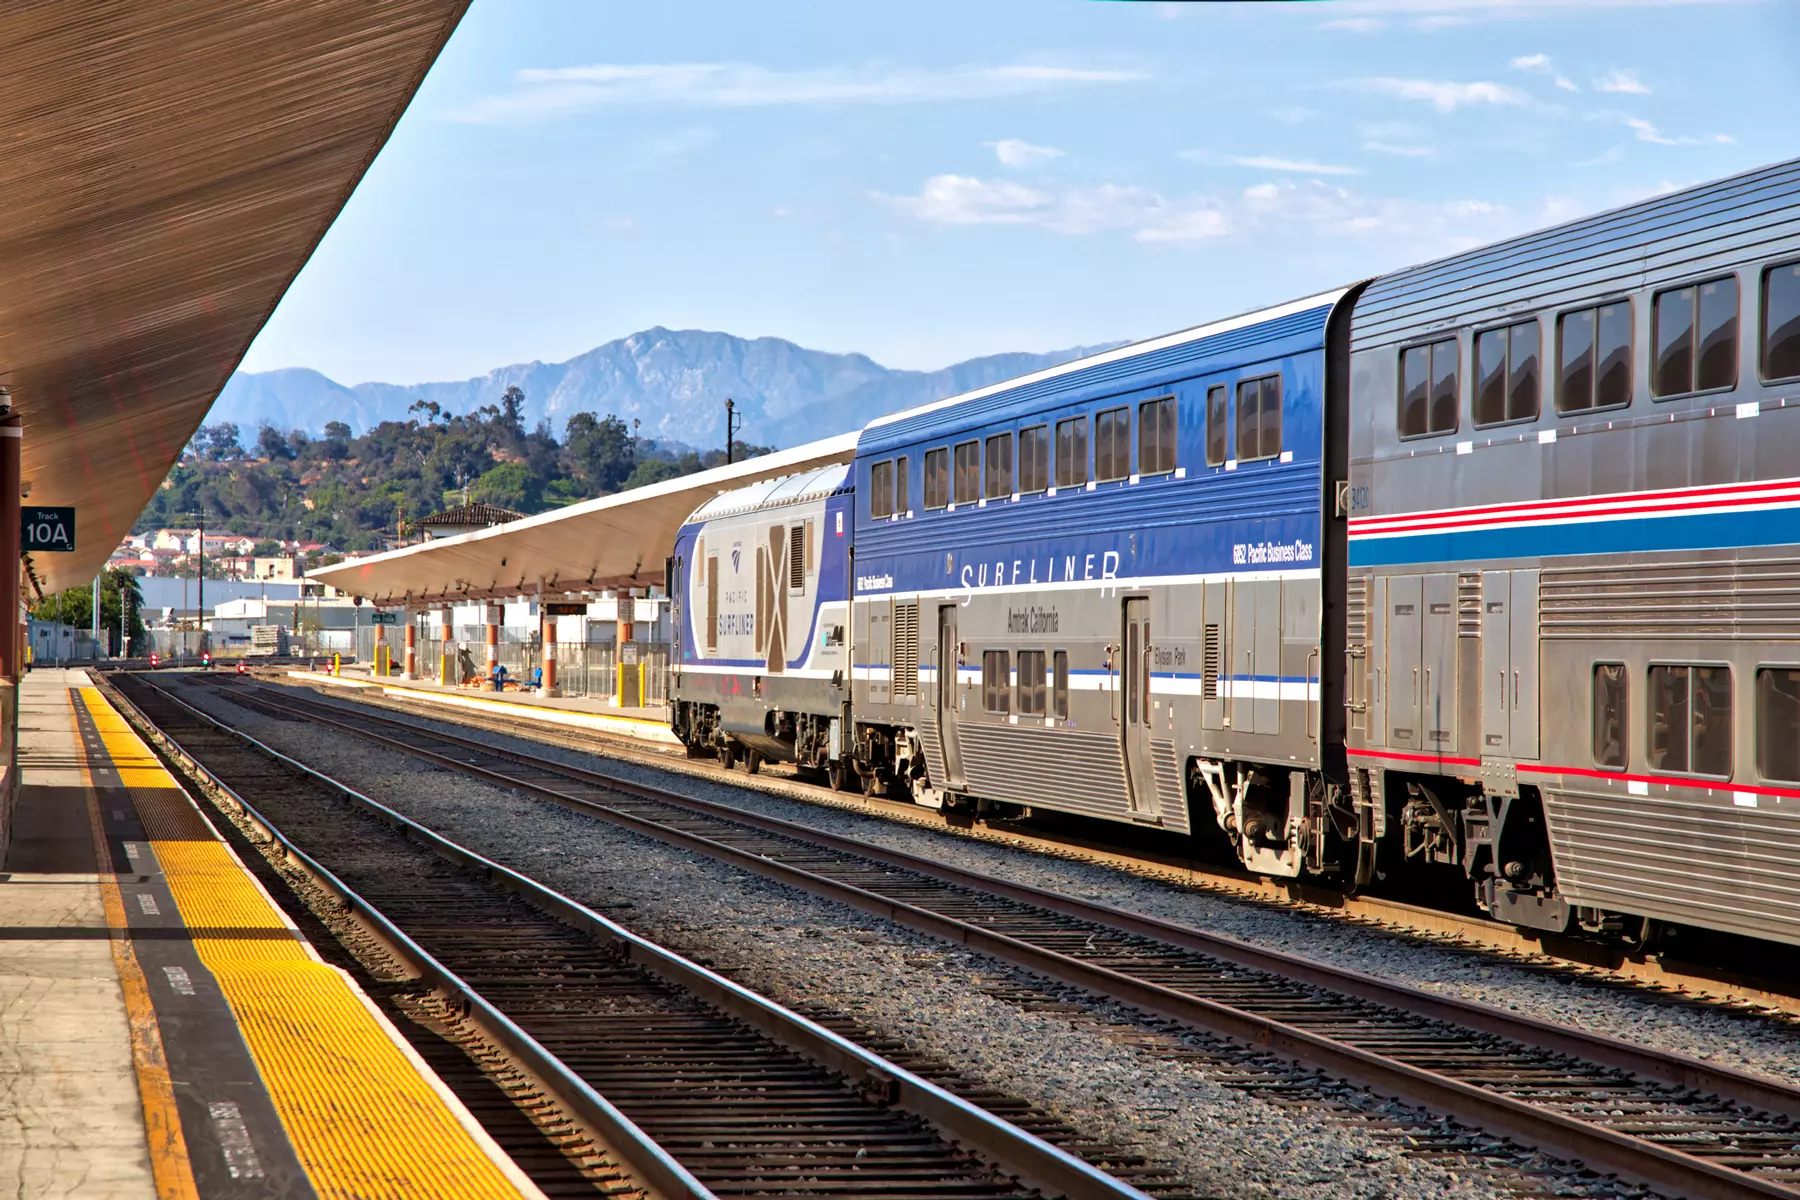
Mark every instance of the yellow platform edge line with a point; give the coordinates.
(543, 712)
(170, 1168)
(367, 1119)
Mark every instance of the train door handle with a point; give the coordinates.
(1515, 691)
(1311, 656)
(1415, 685)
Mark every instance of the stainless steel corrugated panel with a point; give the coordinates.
(1700, 862)
(934, 752)
(1169, 786)
(1722, 599)
(1070, 770)
(1717, 224)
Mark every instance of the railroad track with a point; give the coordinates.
(696, 1086)
(1678, 1124)
(1662, 975)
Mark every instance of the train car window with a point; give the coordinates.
(1059, 690)
(1112, 444)
(1695, 334)
(1781, 322)
(902, 485)
(881, 490)
(968, 472)
(999, 467)
(1031, 683)
(1071, 452)
(937, 478)
(1610, 715)
(1216, 409)
(1690, 719)
(1034, 458)
(1259, 418)
(1575, 346)
(1428, 391)
(1156, 436)
(996, 681)
(1613, 338)
(1778, 723)
(1507, 374)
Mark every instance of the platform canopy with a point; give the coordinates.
(169, 167)
(616, 541)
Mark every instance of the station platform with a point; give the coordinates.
(165, 1030)
(578, 712)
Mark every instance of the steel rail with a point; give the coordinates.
(1595, 1145)
(1036, 1163)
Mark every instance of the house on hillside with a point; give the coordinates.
(464, 518)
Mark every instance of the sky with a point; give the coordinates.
(929, 181)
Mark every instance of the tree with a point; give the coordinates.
(76, 605)
(272, 444)
(222, 442)
(509, 485)
(599, 454)
(512, 411)
(336, 445)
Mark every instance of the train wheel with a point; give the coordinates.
(752, 762)
(872, 784)
(728, 755)
(838, 774)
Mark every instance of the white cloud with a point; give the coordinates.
(1566, 84)
(1265, 163)
(1397, 150)
(1531, 62)
(1013, 152)
(541, 93)
(1441, 95)
(1293, 115)
(1355, 24)
(1724, 139)
(1623, 83)
(1646, 132)
(1146, 215)
(1605, 158)
(1286, 207)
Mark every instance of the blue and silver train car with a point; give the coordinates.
(759, 669)
(1574, 564)
(1097, 589)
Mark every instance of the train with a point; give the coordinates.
(1486, 569)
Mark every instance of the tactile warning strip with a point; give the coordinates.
(363, 1121)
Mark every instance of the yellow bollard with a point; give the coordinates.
(336, 665)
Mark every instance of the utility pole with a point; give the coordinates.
(94, 615)
(199, 516)
(733, 423)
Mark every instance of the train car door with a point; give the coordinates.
(1509, 660)
(1437, 683)
(948, 690)
(1405, 640)
(1255, 655)
(1135, 719)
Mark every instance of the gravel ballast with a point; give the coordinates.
(1087, 1063)
(1767, 1045)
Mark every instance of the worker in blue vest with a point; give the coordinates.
(499, 677)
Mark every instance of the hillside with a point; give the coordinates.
(673, 383)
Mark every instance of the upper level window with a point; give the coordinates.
(937, 478)
(1594, 353)
(1156, 436)
(1778, 724)
(1259, 418)
(999, 483)
(1216, 443)
(1610, 715)
(1690, 719)
(1429, 398)
(1112, 444)
(1071, 452)
(881, 489)
(968, 472)
(1034, 458)
(1506, 374)
(1781, 322)
(1695, 332)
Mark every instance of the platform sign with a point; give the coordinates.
(46, 528)
(557, 608)
(628, 654)
(384, 618)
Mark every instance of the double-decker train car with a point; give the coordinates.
(760, 669)
(1487, 567)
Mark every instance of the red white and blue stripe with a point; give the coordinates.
(1712, 517)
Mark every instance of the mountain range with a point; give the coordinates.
(674, 382)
